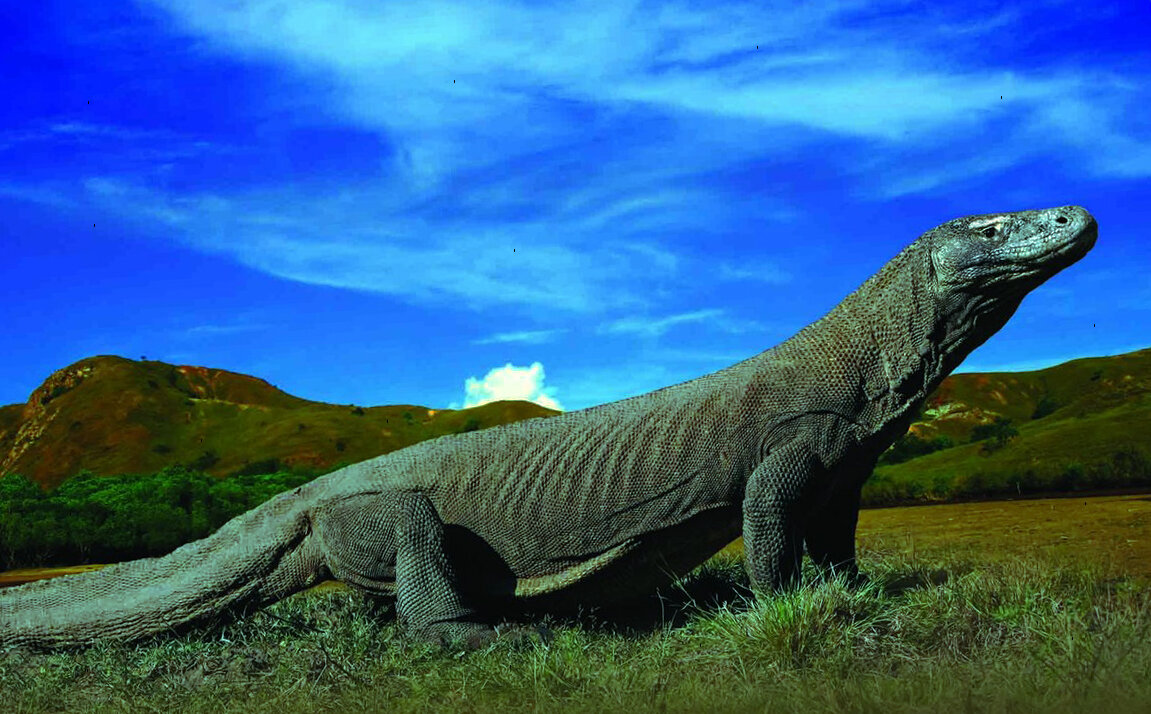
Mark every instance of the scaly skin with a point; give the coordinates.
(605, 503)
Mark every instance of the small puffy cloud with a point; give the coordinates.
(511, 382)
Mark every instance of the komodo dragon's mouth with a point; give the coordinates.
(1076, 246)
(1064, 252)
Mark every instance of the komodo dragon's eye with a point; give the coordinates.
(990, 231)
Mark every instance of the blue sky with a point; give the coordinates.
(389, 203)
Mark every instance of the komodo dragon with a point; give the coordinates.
(601, 504)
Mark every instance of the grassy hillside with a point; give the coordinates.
(1082, 424)
(112, 415)
(1072, 389)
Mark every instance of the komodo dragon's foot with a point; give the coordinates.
(523, 635)
(468, 636)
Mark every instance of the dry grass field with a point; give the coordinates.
(1112, 533)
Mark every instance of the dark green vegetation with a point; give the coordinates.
(934, 632)
(110, 415)
(105, 519)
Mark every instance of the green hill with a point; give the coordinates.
(112, 415)
(1084, 424)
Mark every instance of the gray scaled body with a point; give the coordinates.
(606, 503)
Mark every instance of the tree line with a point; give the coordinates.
(101, 519)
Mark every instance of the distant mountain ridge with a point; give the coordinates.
(112, 415)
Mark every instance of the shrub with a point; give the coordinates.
(909, 446)
(205, 461)
(471, 424)
(264, 466)
(996, 434)
(1045, 406)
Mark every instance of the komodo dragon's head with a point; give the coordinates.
(984, 265)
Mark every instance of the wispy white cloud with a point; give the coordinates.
(103, 131)
(757, 271)
(544, 155)
(220, 330)
(648, 327)
(530, 337)
(348, 241)
(1087, 124)
(714, 319)
(152, 144)
(45, 194)
(461, 85)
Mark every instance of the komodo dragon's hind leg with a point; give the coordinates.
(429, 600)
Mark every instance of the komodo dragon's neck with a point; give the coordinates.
(876, 356)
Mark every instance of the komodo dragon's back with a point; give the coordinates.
(606, 502)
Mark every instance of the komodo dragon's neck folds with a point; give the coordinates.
(605, 503)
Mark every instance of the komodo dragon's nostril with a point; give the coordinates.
(1061, 219)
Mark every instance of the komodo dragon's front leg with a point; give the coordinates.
(793, 498)
(773, 516)
(785, 506)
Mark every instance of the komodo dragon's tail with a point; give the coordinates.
(256, 558)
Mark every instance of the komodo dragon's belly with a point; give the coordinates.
(638, 565)
(617, 542)
(362, 555)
